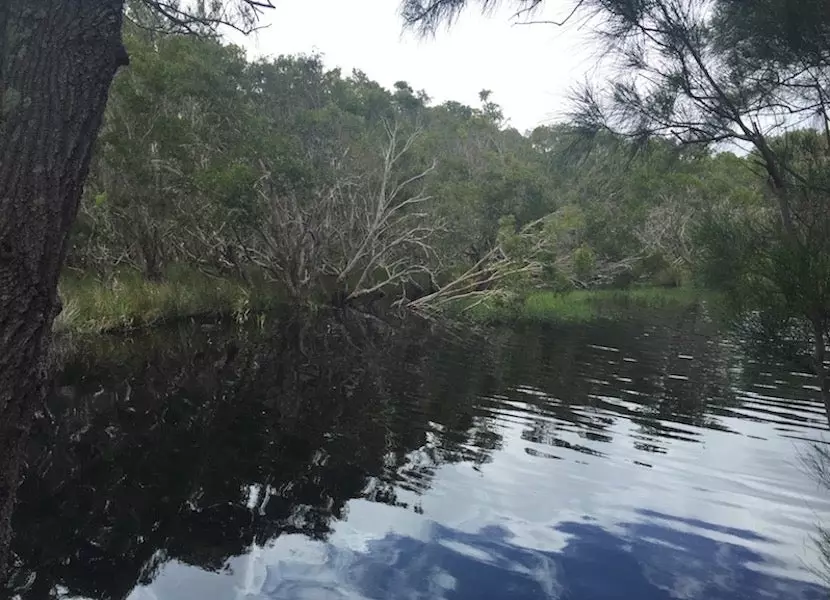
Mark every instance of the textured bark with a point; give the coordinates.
(57, 60)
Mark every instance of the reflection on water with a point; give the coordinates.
(343, 458)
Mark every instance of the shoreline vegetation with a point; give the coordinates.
(579, 306)
(128, 302)
(227, 188)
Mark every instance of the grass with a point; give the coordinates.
(127, 301)
(586, 305)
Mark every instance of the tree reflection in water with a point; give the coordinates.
(194, 443)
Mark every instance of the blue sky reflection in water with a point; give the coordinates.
(634, 460)
(626, 553)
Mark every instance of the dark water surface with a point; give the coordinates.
(643, 459)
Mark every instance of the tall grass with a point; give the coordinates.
(126, 300)
(586, 305)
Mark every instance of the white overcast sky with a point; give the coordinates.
(529, 68)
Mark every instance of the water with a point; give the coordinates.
(642, 459)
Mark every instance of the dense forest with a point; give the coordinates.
(220, 184)
(280, 178)
(335, 189)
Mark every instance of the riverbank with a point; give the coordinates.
(585, 305)
(128, 301)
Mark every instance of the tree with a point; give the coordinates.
(702, 71)
(364, 233)
(717, 71)
(167, 156)
(57, 62)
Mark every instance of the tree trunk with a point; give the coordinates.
(57, 60)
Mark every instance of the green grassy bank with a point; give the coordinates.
(127, 301)
(585, 305)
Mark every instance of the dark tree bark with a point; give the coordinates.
(57, 60)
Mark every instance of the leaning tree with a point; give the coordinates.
(57, 61)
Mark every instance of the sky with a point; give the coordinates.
(529, 68)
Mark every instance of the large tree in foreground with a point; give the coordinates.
(720, 72)
(57, 61)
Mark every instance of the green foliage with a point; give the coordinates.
(588, 305)
(775, 277)
(232, 167)
(126, 300)
(585, 262)
(707, 72)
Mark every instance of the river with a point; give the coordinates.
(643, 458)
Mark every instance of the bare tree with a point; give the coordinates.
(57, 61)
(354, 238)
(518, 255)
(371, 233)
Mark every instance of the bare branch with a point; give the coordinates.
(560, 23)
(426, 16)
(240, 15)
